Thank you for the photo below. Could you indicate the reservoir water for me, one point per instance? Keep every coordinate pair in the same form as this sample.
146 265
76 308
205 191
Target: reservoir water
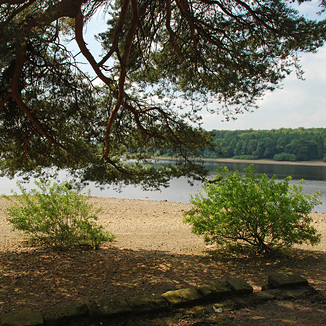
180 190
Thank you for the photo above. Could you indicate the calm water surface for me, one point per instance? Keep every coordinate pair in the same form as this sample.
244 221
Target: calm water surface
180 190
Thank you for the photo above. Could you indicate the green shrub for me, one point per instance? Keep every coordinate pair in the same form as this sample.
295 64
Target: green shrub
57 216
254 211
284 157
246 157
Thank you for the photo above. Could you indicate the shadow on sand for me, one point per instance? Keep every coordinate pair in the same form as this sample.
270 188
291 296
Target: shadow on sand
37 278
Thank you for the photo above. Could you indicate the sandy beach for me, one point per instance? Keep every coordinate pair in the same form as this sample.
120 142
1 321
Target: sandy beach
144 225
260 161
232 160
154 252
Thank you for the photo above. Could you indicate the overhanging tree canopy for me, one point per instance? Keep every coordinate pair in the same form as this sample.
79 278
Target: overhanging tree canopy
53 114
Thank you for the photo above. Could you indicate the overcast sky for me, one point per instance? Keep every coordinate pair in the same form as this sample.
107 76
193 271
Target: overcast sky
300 103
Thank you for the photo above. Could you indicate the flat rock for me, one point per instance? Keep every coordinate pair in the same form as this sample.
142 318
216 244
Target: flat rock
147 303
267 295
107 307
239 285
182 296
286 280
214 289
301 292
62 314
24 318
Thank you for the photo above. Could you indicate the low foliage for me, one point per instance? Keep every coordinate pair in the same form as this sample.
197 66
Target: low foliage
56 215
253 210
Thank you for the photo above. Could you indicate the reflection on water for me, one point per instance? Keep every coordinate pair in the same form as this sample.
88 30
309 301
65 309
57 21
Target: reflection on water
297 172
180 190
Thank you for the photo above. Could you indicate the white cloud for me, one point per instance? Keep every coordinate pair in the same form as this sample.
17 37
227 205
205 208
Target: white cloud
314 65
300 103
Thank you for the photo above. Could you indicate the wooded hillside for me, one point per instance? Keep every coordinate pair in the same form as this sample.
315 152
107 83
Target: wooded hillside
279 144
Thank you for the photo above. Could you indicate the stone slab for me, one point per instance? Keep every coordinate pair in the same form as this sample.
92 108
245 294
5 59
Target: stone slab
239 286
301 292
182 296
107 307
264 296
63 314
24 318
214 290
286 280
147 303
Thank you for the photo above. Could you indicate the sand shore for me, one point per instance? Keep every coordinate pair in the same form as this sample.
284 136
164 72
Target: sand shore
144 225
154 252
262 161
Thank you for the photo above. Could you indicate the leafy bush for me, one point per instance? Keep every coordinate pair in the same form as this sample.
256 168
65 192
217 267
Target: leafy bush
246 157
284 157
254 211
56 216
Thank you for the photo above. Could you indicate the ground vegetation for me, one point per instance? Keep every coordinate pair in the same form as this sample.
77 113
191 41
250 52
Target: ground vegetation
252 211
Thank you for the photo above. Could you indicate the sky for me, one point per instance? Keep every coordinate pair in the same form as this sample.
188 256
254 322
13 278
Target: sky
299 103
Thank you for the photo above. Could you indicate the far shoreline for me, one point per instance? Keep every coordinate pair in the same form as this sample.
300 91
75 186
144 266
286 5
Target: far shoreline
234 160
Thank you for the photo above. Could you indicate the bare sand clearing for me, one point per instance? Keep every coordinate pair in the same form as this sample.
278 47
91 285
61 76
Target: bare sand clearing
154 252
260 161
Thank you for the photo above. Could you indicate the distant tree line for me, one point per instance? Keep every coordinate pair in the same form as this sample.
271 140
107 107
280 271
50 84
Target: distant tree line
278 144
